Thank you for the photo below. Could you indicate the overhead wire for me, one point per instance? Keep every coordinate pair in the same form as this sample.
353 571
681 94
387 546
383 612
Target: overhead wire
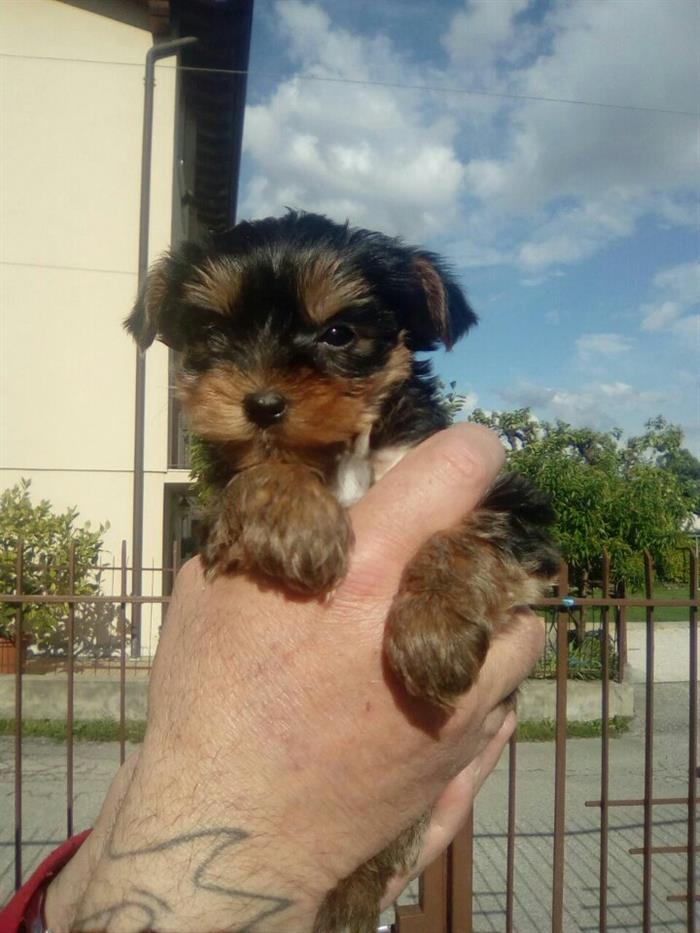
362 82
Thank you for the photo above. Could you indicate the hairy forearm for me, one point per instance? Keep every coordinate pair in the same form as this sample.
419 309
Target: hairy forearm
213 879
155 861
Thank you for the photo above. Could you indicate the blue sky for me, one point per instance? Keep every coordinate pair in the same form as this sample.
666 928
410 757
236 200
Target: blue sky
574 228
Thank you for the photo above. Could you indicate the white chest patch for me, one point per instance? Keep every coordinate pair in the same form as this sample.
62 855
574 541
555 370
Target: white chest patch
360 468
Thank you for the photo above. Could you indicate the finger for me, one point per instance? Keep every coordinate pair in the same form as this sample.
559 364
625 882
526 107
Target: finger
514 651
453 807
429 490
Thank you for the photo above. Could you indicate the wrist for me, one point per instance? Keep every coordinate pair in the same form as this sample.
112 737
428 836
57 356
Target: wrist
216 878
182 859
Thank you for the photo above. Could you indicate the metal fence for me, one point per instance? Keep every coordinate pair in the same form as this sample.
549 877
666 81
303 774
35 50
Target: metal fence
446 898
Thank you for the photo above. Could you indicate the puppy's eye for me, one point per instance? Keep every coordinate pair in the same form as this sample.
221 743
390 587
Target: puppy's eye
340 335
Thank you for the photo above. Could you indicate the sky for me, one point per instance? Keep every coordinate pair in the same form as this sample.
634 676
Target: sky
548 149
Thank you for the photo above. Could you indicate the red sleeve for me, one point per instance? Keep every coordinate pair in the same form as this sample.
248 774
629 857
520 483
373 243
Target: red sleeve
14 917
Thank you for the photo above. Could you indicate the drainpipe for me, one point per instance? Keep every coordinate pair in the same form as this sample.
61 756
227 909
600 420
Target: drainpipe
154 54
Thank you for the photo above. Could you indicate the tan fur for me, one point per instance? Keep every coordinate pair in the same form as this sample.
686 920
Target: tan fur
325 290
322 411
280 521
216 286
453 594
154 295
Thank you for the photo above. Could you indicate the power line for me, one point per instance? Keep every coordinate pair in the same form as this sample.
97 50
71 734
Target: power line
43 265
431 88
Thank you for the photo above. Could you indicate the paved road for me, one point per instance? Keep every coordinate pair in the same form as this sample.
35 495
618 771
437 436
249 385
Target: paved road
44 823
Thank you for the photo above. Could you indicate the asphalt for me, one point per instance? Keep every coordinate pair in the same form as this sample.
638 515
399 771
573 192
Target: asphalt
44 822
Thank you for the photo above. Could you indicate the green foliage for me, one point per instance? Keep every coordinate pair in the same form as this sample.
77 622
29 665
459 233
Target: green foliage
202 469
585 655
452 400
661 443
545 730
47 537
84 730
608 496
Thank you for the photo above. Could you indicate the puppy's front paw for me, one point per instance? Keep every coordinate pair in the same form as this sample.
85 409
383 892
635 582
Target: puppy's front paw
279 521
433 645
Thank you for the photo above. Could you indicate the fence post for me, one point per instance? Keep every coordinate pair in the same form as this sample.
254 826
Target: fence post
604 751
648 746
560 758
69 699
19 650
693 773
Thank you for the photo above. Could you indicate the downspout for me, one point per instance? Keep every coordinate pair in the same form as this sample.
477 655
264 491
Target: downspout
154 54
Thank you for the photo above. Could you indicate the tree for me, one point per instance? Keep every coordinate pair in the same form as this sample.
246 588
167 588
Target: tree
47 537
662 443
608 496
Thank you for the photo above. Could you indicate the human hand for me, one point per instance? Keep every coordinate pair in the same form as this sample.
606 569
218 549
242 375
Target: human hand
279 755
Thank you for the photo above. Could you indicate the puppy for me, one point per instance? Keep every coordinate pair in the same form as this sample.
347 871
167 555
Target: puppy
297 339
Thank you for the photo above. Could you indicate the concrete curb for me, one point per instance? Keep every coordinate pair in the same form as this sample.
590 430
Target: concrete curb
538 700
44 697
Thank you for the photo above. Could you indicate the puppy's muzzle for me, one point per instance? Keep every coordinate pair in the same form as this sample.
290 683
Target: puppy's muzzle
264 408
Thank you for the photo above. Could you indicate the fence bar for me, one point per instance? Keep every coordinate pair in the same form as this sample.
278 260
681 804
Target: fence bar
658 850
510 853
122 661
604 755
546 602
430 916
19 640
88 599
692 744
460 880
648 746
641 801
559 846
70 695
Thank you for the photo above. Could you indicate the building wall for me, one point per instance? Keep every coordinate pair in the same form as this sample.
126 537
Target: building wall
71 112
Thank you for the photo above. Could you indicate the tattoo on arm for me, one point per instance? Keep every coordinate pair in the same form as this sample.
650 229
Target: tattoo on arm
149 909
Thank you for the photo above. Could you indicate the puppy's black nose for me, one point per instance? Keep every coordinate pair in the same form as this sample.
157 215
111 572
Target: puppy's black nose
264 408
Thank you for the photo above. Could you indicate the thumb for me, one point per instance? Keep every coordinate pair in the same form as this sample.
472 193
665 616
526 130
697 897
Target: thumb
428 491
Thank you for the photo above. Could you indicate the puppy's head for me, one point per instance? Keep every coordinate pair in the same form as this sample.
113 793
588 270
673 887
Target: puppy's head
293 331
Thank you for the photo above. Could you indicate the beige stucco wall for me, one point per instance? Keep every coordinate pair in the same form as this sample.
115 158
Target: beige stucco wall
71 111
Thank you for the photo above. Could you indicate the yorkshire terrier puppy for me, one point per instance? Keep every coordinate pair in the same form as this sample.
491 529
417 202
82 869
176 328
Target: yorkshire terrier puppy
297 339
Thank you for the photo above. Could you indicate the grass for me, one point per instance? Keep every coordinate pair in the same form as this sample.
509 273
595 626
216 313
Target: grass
107 730
545 730
663 613
84 730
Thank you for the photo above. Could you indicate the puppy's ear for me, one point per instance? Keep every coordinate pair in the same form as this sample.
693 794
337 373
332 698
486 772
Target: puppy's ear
146 317
441 313
158 310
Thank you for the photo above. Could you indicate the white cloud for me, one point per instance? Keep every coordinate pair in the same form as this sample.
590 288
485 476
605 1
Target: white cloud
483 32
592 345
600 406
534 184
369 153
659 317
608 166
682 281
681 286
